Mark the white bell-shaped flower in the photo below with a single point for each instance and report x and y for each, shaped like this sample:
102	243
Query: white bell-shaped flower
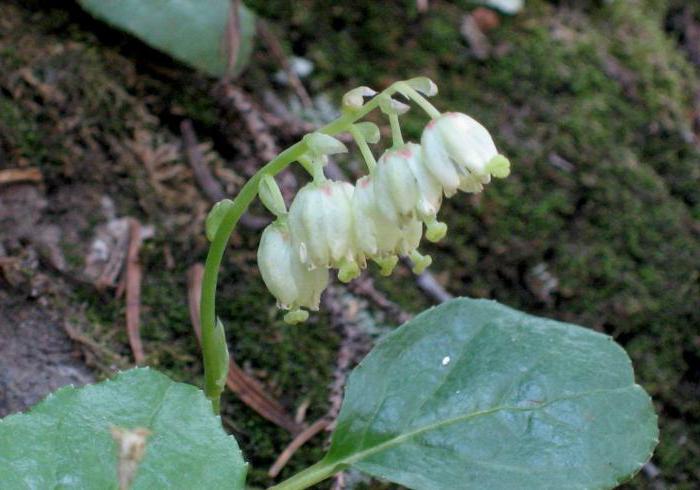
321	224
290	282
382	239
460	153
404	189
395	186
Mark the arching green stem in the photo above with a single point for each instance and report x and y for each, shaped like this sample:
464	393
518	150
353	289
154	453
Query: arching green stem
212	373
313	167
213	262
396	136
364	147
413	94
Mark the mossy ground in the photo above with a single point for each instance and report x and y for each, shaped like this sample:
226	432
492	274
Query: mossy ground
603	88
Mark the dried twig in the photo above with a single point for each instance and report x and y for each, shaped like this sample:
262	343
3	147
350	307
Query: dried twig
235	102
339	481
95	349
278	116
293	446
12	175
343	309
133	291
364	286
300	414
275	49
355	344
432	288
480	46
115	236
206	181
248	389
211	187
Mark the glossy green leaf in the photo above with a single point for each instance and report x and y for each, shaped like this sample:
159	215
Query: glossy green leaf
473	394
191	31
65	441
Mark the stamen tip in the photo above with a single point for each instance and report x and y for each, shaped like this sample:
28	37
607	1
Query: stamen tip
348	271
435	231
295	317
499	167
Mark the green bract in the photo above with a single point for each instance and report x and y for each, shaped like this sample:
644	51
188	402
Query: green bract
65	441
473	394
215	216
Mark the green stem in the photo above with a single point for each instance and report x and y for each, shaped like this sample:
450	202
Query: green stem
364	147
310	476
396	136
228	223
411	93
213	263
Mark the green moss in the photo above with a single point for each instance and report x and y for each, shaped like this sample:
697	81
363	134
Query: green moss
20	134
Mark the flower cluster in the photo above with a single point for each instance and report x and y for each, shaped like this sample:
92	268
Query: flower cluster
384	215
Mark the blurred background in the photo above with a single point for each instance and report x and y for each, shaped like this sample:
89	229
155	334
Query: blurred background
122	122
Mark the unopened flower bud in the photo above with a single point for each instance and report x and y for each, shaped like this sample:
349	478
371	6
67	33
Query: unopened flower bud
355	98
460	153
290	282
321	223
389	105
423	85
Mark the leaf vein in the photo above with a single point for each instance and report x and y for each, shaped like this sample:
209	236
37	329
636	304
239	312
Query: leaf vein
468	416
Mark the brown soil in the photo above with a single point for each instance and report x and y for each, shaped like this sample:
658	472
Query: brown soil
36	356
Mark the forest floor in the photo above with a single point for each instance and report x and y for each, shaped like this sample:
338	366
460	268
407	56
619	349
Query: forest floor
597	106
